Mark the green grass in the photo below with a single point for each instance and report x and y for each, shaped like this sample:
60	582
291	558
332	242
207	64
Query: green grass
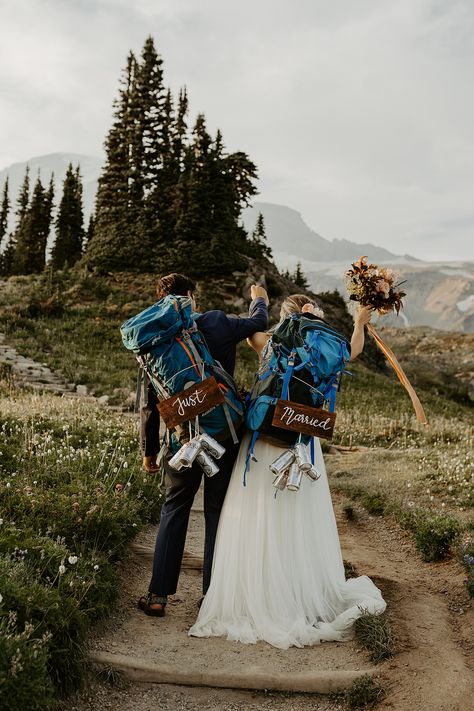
72	496
374	632
364	693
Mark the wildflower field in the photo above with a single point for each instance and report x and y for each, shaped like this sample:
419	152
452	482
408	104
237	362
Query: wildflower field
73	494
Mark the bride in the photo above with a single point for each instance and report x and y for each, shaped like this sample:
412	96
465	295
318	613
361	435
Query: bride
278	572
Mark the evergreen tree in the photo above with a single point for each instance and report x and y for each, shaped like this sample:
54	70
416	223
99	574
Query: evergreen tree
180	129
23	198
112	245
90	230
33	231
167	200
299	278
12	258
259	238
4	210
67	248
8	257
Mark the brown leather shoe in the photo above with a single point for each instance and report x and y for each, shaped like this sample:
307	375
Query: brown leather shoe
149	605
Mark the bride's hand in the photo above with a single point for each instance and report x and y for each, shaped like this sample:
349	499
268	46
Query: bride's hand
363	315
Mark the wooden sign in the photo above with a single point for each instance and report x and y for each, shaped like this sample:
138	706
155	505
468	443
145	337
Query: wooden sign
195	400
306	420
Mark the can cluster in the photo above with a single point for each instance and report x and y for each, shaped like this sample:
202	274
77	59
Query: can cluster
203	449
290	466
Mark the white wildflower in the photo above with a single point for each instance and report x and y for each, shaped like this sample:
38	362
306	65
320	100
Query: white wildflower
72	559
96	567
62	569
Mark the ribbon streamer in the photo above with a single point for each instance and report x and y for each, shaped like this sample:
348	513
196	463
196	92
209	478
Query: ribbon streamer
390	356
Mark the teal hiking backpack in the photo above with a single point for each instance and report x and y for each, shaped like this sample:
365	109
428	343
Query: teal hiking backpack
302	362
174	355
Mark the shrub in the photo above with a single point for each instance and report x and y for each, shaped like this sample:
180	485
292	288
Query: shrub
376	504
349	512
52	614
434	535
24	679
364	692
375	634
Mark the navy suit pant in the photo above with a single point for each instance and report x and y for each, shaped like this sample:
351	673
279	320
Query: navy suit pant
181	488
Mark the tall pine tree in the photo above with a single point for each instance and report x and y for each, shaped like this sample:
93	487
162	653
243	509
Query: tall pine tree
67	248
113	244
4	210
11	253
33	228
167	200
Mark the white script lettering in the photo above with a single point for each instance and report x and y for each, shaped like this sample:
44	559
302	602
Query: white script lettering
191	400
289	416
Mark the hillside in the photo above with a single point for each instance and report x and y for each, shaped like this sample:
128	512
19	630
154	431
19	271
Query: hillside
440	295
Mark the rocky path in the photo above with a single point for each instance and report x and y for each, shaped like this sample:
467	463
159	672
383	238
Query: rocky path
29	372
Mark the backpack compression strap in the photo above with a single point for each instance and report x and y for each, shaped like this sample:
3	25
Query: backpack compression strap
200	364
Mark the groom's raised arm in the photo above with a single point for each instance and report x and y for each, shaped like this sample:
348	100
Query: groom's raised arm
257	320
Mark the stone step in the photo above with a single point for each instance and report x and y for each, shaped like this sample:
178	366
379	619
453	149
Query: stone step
325	681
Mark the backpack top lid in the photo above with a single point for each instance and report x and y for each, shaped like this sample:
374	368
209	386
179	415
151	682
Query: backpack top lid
291	330
157	324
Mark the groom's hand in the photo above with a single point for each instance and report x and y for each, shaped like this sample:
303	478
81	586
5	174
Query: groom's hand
256	291
149	464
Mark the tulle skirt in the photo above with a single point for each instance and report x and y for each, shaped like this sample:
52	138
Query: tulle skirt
278	573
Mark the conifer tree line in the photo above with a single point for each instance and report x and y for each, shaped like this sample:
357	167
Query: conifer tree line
23	251
170	196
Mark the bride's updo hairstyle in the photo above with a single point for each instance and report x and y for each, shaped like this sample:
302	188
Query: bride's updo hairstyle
294	305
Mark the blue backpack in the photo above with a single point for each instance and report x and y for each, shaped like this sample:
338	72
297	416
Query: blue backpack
302	362
174	355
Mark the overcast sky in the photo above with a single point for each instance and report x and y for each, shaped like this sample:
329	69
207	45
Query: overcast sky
358	113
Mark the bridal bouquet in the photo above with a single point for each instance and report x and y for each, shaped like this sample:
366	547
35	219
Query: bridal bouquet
376	287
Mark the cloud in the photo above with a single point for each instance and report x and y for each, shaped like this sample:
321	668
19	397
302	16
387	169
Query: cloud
358	114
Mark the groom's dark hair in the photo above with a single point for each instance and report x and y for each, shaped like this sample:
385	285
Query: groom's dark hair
176	284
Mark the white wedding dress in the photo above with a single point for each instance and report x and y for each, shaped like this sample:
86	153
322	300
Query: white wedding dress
278	573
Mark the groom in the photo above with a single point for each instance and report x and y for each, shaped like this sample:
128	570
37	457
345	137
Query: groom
222	334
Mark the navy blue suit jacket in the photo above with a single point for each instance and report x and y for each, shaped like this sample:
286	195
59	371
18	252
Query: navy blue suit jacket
222	334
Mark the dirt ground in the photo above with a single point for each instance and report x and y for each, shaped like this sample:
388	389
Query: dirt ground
428	607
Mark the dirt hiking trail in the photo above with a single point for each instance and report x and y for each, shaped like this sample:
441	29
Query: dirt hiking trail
427	605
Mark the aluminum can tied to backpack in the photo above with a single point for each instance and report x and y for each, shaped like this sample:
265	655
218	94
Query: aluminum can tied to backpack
185	456
282	462
214	448
294	478
207	464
